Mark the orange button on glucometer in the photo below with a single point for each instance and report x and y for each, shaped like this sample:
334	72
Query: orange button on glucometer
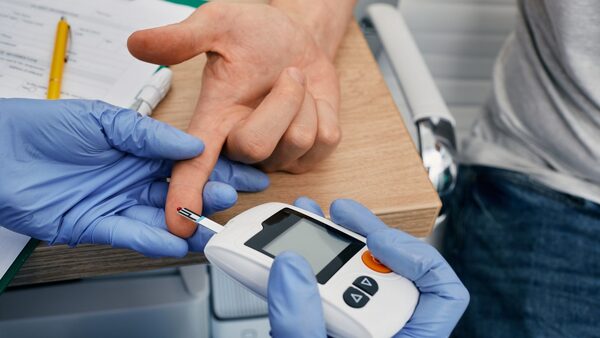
373	264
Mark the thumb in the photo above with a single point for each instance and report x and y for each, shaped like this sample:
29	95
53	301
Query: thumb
178	42
355	216
129	132
295	308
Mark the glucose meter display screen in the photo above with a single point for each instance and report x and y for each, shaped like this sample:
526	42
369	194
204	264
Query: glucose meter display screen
325	248
311	241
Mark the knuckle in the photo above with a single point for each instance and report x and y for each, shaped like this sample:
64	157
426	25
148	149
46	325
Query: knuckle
300	138
330	135
252	148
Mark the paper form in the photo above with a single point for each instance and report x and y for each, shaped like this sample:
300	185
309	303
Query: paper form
99	65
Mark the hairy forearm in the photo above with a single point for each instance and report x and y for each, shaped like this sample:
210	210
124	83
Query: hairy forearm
326	20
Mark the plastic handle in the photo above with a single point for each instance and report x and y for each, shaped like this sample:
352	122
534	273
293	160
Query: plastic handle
407	61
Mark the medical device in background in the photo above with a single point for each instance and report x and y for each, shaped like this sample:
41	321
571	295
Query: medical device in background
172	302
153	92
436	58
235	311
357	291
196	301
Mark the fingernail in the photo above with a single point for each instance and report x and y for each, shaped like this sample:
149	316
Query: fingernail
296	74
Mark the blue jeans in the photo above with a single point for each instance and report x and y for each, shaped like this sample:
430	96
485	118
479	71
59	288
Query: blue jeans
529	256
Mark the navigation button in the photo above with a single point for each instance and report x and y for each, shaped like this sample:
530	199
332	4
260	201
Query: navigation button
367	284
355	298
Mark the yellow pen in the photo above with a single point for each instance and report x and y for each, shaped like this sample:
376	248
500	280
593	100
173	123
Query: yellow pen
59	57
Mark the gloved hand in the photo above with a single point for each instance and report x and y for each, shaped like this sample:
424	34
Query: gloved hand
78	171
295	306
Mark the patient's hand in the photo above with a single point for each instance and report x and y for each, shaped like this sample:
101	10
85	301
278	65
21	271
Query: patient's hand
269	96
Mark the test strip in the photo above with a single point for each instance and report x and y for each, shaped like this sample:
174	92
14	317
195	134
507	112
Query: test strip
200	220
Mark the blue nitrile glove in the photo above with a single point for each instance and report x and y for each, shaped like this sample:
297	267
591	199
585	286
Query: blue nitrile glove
294	303
78	171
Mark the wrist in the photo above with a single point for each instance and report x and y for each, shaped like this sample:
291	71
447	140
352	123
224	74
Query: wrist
324	20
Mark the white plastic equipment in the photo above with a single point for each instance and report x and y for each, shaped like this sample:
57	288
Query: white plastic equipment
357	300
170	303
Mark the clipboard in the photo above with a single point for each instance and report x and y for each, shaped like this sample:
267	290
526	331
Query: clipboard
17	263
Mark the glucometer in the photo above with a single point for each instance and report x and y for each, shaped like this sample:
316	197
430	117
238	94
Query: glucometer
361	297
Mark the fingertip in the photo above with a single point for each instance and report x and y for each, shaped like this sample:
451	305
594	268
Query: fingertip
355	216
260	181
338	210
181	196
288	92
135	43
404	254
183	145
178	249
224	192
247	178
380	239
390	237
170	245
309	205
186	187
302	200
175	43
127	131
175	246
194	145
290	259
293	293
179	226
158	45
341	204
218	196
292	268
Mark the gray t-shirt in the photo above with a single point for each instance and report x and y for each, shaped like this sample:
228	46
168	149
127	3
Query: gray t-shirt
543	118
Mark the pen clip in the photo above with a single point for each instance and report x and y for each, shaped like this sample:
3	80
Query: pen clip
69	43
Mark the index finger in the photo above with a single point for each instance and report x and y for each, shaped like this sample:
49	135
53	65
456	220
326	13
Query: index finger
189	177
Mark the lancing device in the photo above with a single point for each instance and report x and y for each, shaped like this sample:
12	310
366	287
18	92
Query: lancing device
153	92
361	297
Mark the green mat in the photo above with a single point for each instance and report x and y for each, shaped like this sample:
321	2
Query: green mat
192	3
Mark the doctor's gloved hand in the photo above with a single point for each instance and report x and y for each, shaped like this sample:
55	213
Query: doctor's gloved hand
78	171
294	303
